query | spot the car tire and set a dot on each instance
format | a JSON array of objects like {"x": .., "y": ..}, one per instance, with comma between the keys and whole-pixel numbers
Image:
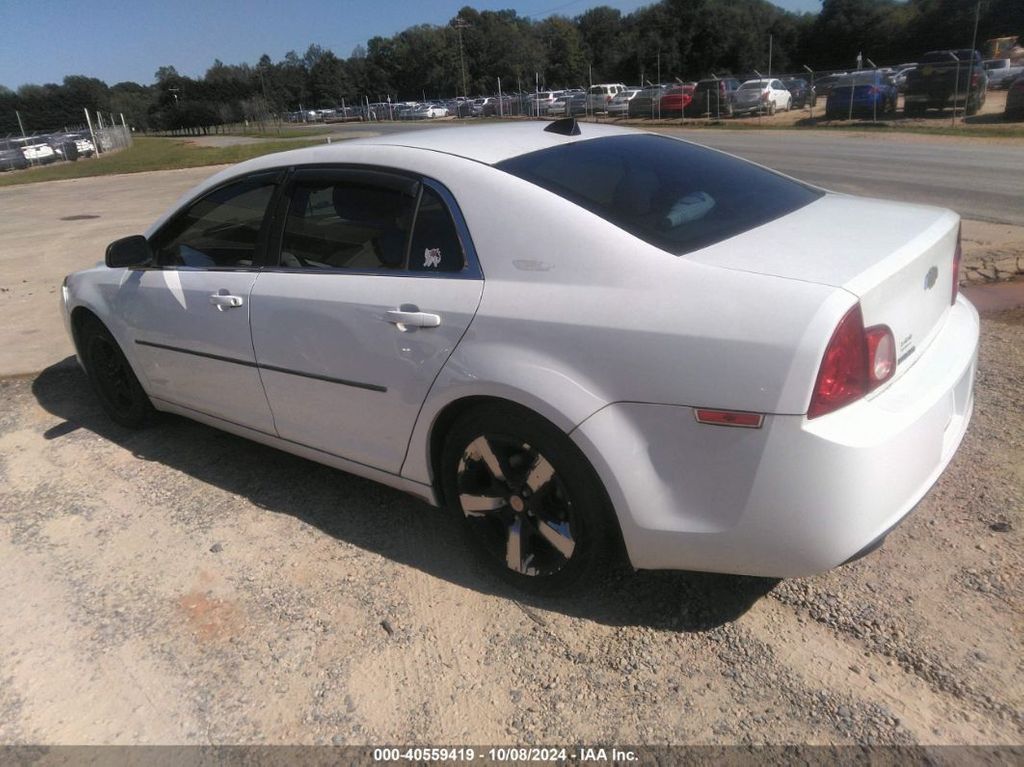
[
  {"x": 532, "y": 508},
  {"x": 120, "y": 394}
]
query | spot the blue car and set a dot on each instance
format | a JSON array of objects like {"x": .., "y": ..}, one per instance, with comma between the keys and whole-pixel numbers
[{"x": 870, "y": 93}]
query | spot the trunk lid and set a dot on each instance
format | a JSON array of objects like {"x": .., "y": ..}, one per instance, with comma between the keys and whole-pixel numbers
[
  {"x": 896, "y": 258},
  {"x": 748, "y": 96}
]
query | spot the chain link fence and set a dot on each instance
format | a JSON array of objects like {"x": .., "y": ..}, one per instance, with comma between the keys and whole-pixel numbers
[{"x": 98, "y": 134}]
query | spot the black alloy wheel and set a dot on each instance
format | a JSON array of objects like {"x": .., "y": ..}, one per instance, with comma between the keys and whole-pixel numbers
[
  {"x": 119, "y": 391},
  {"x": 532, "y": 507}
]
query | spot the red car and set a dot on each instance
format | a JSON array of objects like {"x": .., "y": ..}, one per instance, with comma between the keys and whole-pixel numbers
[{"x": 676, "y": 100}]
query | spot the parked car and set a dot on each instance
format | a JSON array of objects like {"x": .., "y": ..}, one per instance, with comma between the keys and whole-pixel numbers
[
  {"x": 599, "y": 96},
  {"x": 714, "y": 97},
  {"x": 675, "y": 100},
  {"x": 900, "y": 78},
  {"x": 426, "y": 112},
  {"x": 569, "y": 105},
  {"x": 619, "y": 106},
  {"x": 954, "y": 78},
  {"x": 764, "y": 95},
  {"x": 1015, "y": 100},
  {"x": 84, "y": 145},
  {"x": 823, "y": 85},
  {"x": 12, "y": 158},
  {"x": 672, "y": 374},
  {"x": 36, "y": 150},
  {"x": 63, "y": 147},
  {"x": 480, "y": 106},
  {"x": 557, "y": 107},
  {"x": 863, "y": 93},
  {"x": 71, "y": 146},
  {"x": 460, "y": 107},
  {"x": 647, "y": 103},
  {"x": 542, "y": 101},
  {"x": 803, "y": 93},
  {"x": 1002, "y": 72}
]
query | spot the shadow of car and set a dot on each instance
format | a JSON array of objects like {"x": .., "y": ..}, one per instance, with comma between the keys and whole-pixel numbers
[{"x": 384, "y": 521}]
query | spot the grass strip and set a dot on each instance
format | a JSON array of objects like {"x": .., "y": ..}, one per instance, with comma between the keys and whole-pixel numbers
[{"x": 148, "y": 154}]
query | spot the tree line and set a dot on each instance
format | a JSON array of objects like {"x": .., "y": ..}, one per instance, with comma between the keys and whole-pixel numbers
[{"x": 688, "y": 39}]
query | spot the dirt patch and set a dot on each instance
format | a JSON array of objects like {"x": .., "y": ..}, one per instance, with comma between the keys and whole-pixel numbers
[{"x": 991, "y": 252}]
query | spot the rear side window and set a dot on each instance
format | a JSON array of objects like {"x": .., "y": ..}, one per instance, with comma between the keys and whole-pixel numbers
[
  {"x": 675, "y": 195},
  {"x": 346, "y": 223},
  {"x": 435, "y": 241}
]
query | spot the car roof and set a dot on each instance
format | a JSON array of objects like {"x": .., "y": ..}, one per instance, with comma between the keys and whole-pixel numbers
[{"x": 488, "y": 144}]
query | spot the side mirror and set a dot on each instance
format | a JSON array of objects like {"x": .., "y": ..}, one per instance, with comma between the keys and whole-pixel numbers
[{"x": 128, "y": 252}]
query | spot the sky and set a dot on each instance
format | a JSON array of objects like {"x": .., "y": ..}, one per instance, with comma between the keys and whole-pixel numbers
[{"x": 41, "y": 41}]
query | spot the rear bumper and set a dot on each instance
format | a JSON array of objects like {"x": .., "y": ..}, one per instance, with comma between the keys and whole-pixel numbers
[{"x": 793, "y": 498}]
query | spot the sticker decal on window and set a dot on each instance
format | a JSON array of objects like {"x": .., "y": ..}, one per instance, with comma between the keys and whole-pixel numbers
[{"x": 432, "y": 257}]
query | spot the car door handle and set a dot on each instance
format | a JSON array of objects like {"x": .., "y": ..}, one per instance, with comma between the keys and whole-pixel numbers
[
  {"x": 406, "y": 320},
  {"x": 224, "y": 301}
]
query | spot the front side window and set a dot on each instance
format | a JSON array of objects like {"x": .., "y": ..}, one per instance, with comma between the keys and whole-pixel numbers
[
  {"x": 221, "y": 230},
  {"x": 347, "y": 223}
]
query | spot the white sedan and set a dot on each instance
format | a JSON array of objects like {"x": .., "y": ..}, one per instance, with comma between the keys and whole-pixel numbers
[
  {"x": 702, "y": 364},
  {"x": 768, "y": 95}
]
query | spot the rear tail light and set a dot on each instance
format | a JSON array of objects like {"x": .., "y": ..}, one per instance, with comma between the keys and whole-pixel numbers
[
  {"x": 956, "y": 267},
  {"x": 975, "y": 78},
  {"x": 856, "y": 361}
]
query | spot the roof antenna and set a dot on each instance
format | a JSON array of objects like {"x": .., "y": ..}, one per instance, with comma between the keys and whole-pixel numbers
[{"x": 567, "y": 126}]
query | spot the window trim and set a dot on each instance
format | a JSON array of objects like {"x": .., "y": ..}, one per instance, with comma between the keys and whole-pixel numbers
[
  {"x": 272, "y": 264},
  {"x": 276, "y": 174}
]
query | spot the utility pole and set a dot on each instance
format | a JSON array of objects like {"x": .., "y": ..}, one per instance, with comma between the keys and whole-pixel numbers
[
  {"x": 974, "y": 42},
  {"x": 811, "y": 95},
  {"x": 460, "y": 24}
]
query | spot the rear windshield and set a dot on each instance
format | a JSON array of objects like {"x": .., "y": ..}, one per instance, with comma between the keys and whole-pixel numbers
[
  {"x": 754, "y": 85},
  {"x": 677, "y": 196}
]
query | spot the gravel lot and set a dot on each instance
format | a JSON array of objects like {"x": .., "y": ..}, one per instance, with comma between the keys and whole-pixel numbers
[{"x": 180, "y": 585}]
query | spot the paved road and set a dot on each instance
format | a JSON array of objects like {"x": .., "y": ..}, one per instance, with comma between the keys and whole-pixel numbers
[{"x": 980, "y": 179}]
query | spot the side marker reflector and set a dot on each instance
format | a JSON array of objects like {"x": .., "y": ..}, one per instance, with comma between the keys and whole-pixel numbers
[{"x": 729, "y": 418}]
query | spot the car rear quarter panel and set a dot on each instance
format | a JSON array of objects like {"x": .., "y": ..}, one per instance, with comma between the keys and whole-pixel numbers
[{"x": 577, "y": 314}]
